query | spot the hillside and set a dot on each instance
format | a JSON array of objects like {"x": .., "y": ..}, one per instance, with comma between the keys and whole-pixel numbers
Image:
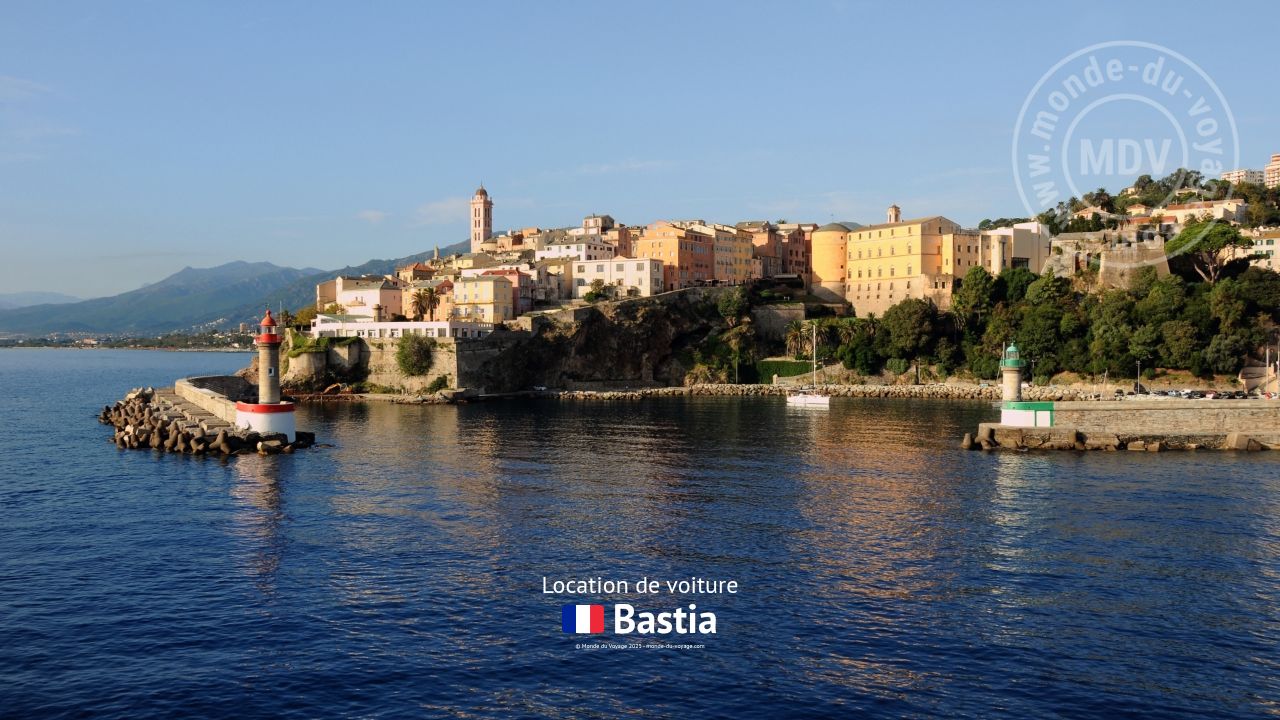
[
  {"x": 191, "y": 299},
  {"x": 9, "y": 301}
]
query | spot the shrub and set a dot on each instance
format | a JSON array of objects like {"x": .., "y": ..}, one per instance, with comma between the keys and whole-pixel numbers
[
  {"x": 440, "y": 383},
  {"x": 897, "y": 366},
  {"x": 413, "y": 357},
  {"x": 766, "y": 369}
]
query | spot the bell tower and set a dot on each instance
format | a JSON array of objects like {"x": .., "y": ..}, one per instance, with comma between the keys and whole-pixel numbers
[{"x": 481, "y": 218}]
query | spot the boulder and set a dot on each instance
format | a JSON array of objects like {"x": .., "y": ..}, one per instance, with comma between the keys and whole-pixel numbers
[
  {"x": 1136, "y": 445},
  {"x": 1236, "y": 441},
  {"x": 1007, "y": 437}
]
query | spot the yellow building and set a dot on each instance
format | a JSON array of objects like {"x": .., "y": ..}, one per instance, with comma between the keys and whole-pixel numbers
[
  {"x": 483, "y": 298},
  {"x": 902, "y": 259},
  {"x": 827, "y": 280},
  {"x": 922, "y": 258}
]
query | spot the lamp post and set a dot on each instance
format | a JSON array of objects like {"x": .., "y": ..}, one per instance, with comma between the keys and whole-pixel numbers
[{"x": 1137, "y": 383}]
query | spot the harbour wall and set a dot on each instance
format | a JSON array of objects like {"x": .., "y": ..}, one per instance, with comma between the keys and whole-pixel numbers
[
  {"x": 1150, "y": 425},
  {"x": 1172, "y": 416},
  {"x": 215, "y": 394}
]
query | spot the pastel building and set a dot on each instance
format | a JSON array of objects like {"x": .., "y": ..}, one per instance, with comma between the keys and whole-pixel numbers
[
  {"x": 363, "y": 295},
  {"x": 522, "y": 286},
  {"x": 625, "y": 277},
  {"x": 1271, "y": 173},
  {"x": 827, "y": 277},
  {"x": 1235, "y": 177},
  {"x": 687, "y": 256},
  {"x": 1230, "y": 209},
  {"x": 577, "y": 247},
  {"x": 875, "y": 267},
  {"x": 733, "y": 251},
  {"x": 483, "y": 298},
  {"x": 779, "y": 249},
  {"x": 443, "y": 289}
]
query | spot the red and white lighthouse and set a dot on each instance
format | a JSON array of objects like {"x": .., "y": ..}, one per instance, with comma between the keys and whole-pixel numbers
[{"x": 269, "y": 414}]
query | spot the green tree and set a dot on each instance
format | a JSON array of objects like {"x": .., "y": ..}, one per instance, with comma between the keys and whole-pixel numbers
[
  {"x": 1014, "y": 283},
  {"x": 910, "y": 325},
  {"x": 413, "y": 354},
  {"x": 1210, "y": 245},
  {"x": 304, "y": 316},
  {"x": 1179, "y": 344},
  {"x": 733, "y": 305},
  {"x": 597, "y": 292},
  {"x": 976, "y": 296}
]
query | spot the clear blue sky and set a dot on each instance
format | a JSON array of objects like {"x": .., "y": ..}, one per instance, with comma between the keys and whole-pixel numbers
[{"x": 139, "y": 137}]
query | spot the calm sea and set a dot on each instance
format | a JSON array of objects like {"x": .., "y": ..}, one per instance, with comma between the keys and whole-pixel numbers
[{"x": 882, "y": 571}]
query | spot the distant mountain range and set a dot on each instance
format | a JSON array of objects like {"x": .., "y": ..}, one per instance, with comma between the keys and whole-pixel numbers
[
  {"x": 9, "y": 301},
  {"x": 192, "y": 299}
]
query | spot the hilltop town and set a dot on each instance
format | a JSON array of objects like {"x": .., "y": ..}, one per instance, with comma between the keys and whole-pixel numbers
[{"x": 926, "y": 274}]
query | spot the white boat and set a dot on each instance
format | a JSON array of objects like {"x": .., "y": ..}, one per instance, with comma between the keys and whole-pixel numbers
[{"x": 809, "y": 396}]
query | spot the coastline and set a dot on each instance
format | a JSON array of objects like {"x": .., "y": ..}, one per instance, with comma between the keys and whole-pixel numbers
[
  {"x": 157, "y": 349},
  {"x": 937, "y": 391}
]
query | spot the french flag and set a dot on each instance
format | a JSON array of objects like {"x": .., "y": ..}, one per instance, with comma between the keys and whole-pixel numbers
[{"x": 582, "y": 618}]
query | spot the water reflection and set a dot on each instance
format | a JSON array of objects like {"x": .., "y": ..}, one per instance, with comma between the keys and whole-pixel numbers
[{"x": 256, "y": 490}]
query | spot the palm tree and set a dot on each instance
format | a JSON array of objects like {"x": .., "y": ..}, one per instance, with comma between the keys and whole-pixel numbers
[
  {"x": 425, "y": 302},
  {"x": 431, "y": 298},
  {"x": 796, "y": 338},
  {"x": 419, "y": 305}
]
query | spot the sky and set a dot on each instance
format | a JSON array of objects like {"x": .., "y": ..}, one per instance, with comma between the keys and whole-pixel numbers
[{"x": 137, "y": 138}]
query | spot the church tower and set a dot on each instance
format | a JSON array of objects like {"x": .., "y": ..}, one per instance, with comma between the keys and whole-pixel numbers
[{"x": 481, "y": 218}]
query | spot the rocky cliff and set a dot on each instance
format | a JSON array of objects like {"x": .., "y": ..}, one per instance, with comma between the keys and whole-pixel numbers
[
  {"x": 645, "y": 341},
  {"x": 642, "y": 342}
]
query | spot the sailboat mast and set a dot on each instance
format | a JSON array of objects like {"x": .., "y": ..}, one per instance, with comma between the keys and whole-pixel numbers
[{"x": 815, "y": 357}]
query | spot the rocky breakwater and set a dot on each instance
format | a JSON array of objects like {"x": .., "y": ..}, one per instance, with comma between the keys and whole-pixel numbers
[
  {"x": 999, "y": 437},
  {"x": 148, "y": 418}
]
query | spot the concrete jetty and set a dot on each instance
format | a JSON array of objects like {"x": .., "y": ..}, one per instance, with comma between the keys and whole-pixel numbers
[{"x": 1131, "y": 424}]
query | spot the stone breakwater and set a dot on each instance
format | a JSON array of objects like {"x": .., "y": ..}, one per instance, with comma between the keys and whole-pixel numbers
[
  {"x": 161, "y": 420},
  {"x": 936, "y": 391},
  {"x": 992, "y": 436}
]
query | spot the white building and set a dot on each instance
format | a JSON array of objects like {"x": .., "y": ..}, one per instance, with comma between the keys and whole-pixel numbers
[
  {"x": 361, "y": 295},
  {"x": 1231, "y": 210},
  {"x": 1025, "y": 245},
  {"x": 580, "y": 247},
  {"x": 626, "y": 277},
  {"x": 349, "y": 326},
  {"x": 1235, "y": 177}
]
